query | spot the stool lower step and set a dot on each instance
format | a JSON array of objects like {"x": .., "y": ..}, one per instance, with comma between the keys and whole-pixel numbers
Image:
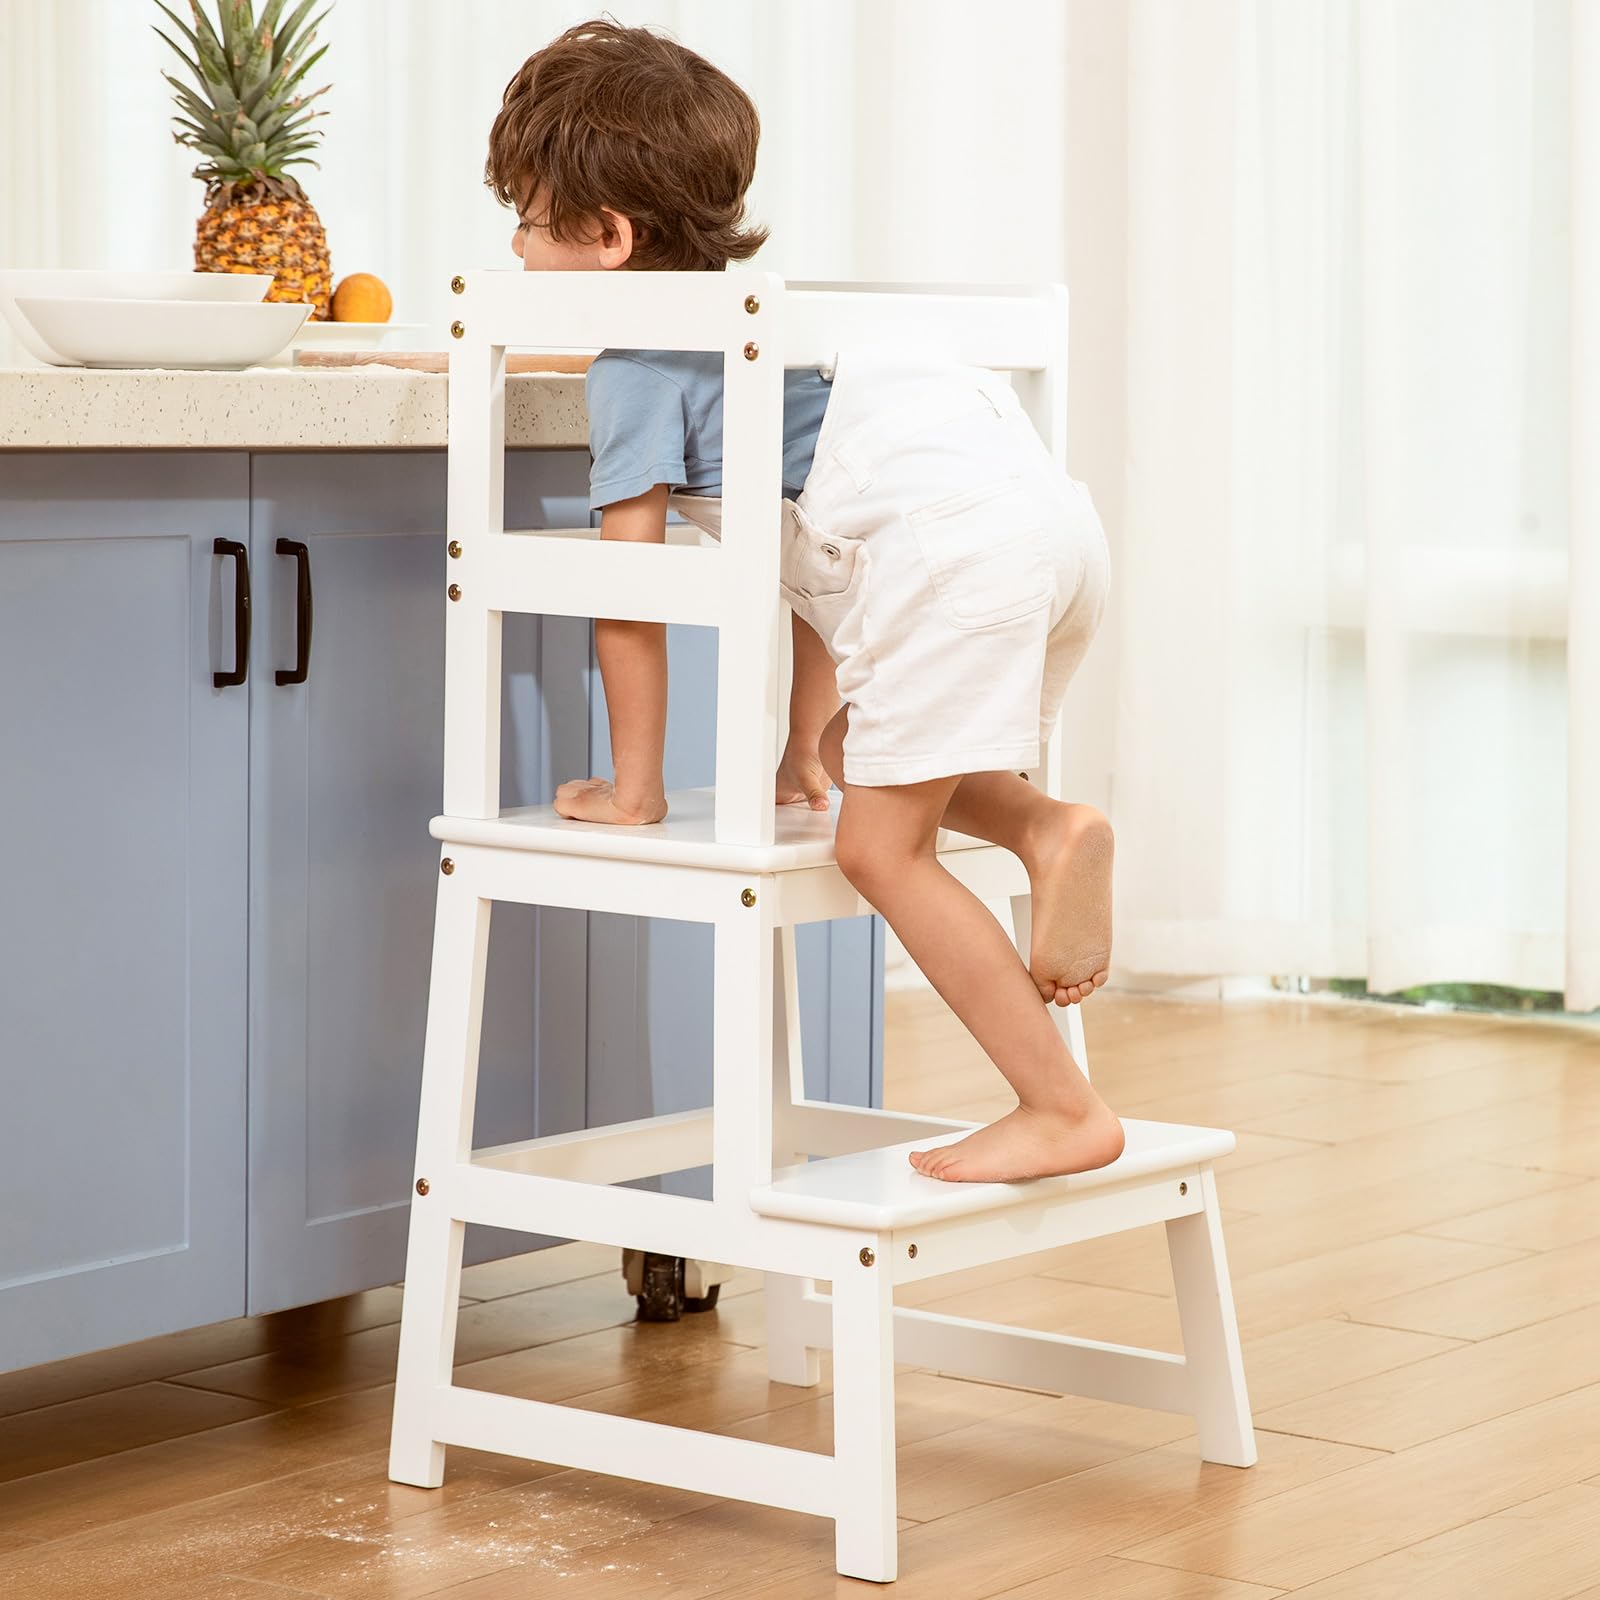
[{"x": 879, "y": 1189}]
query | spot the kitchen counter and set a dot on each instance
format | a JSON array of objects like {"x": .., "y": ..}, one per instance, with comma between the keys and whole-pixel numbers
[{"x": 267, "y": 408}]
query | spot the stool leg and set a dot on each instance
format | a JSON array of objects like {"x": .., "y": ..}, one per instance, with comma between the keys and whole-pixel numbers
[
  {"x": 1211, "y": 1333},
  {"x": 444, "y": 1137},
  {"x": 741, "y": 1047},
  {"x": 789, "y": 1359},
  {"x": 863, "y": 1417}
]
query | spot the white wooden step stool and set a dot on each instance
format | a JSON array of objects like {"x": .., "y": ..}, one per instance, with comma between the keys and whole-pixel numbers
[{"x": 858, "y": 1215}]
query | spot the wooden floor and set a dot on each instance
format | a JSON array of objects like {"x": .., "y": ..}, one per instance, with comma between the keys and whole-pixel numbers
[{"x": 1413, "y": 1219}]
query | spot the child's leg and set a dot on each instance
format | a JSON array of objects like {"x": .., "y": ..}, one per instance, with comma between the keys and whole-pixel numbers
[
  {"x": 886, "y": 849},
  {"x": 1067, "y": 850}
]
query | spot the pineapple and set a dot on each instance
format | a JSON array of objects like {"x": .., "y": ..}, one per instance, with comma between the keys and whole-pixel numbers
[{"x": 250, "y": 122}]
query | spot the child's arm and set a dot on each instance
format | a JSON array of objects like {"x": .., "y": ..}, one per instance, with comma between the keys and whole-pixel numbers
[
  {"x": 633, "y": 667},
  {"x": 813, "y": 701}
]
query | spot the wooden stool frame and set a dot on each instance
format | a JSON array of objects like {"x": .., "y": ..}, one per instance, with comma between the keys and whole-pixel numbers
[{"x": 857, "y": 1214}]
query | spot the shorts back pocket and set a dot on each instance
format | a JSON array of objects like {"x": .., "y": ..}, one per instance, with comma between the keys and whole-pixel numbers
[{"x": 984, "y": 552}]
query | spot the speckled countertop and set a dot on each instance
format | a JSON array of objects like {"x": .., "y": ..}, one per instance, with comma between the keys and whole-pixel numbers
[{"x": 266, "y": 408}]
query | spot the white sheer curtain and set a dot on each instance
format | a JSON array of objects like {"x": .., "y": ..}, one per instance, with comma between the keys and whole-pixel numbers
[{"x": 1362, "y": 438}]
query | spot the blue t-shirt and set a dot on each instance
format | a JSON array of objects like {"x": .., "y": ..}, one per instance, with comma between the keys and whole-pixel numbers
[{"x": 655, "y": 416}]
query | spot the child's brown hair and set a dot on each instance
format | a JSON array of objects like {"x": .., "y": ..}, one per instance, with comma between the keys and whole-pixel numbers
[{"x": 627, "y": 119}]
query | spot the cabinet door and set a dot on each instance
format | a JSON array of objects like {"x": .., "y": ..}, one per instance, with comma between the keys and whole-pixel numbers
[
  {"x": 123, "y": 804},
  {"x": 346, "y": 772}
]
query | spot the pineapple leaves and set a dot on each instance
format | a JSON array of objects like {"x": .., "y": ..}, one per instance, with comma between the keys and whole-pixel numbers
[
  {"x": 285, "y": 69},
  {"x": 192, "y": 62},
  {"x": 237, "y": 21},
  {"x": 213, "y": 58},
  {"x": 292, "y": 116},
  {"x": 208, "y": 63},
  {"x": 197, "y": 108},
  {"x": 279, "y": 89},
  {"x": 292, "y": 73},
  {"x": 288, "y": 38},
  {"x": 200, "y": 137},
  {"x": 183, "y": 28},
  {"x": 246, "y": 114},
  {"x": 269, "y": 21},
  {"x": 190, "y": 101},
  {"x": 256, "y": 68},
  {"x": 178, "y": 52},
  {"x": 305, "y": 66}
]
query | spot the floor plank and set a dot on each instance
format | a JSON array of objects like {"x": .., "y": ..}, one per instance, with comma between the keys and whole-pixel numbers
[
  {"x": 1480, "y": 1304},
  {"x": 1568, "y": 1214},
  {"x": 104, "y": 1424},
  {"x": 1390, "y": 1502},
  {"x": 1546, "y": 1547},
  {"x": 1426, "y": 1399},
  {"x": 1112, "y": 1578}
]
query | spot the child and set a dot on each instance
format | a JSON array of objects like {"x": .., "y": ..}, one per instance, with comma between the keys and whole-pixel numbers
[{"x": 945, "y": 575}]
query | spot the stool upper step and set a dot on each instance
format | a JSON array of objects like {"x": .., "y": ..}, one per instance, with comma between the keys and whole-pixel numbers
[
  {"x": 879, "y": 1190},
  {"x": 804, "y": 838}
]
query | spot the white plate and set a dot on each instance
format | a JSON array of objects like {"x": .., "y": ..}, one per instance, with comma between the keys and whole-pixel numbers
[
  {"x": 189, "y": 334},
  {"x": 351, "y": 335},
  {"x": 68, "y": 283}
]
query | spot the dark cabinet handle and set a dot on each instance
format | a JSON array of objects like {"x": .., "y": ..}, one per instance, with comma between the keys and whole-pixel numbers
[
  {"x": 241, "y": 613},
  {"x": 302, "y": 610}
]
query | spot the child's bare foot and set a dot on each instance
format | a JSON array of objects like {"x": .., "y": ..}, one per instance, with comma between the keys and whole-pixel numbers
[
  {"x": 1069, "y": 867},
  {"x": 1026, "y": 1144}
]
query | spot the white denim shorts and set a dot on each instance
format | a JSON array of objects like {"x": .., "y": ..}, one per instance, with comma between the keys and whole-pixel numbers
[{"x": 954, "y": 571}]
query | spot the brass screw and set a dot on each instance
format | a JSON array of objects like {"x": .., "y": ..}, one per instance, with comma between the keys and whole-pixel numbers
[
  {"x": 447, "y": 866},
  {"x": 422, "y": 1185},
  {"x": 867, "y": 1257},
  {"x": 455, "y": 547},
  {"x": 751, "y": 351},
  {"x": 458, "y": 284},
  {"x": 1183, "y": 1188},
  {"x": 748, "y": 898},
  {"x": 751, "y": 304},
  {"x": 455, "y": 591},
  {"x": 457, "y": 329},
  {"x": 911, "y": 1250}
]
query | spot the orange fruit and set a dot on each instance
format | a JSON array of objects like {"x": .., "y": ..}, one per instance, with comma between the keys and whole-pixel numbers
[{"x": 361, "y": 297}]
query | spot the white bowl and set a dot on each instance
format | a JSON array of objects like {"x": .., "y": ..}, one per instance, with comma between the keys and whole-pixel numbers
[
  {"x": 190, "y": 334},
  {"x": 70, "y": 283}
]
